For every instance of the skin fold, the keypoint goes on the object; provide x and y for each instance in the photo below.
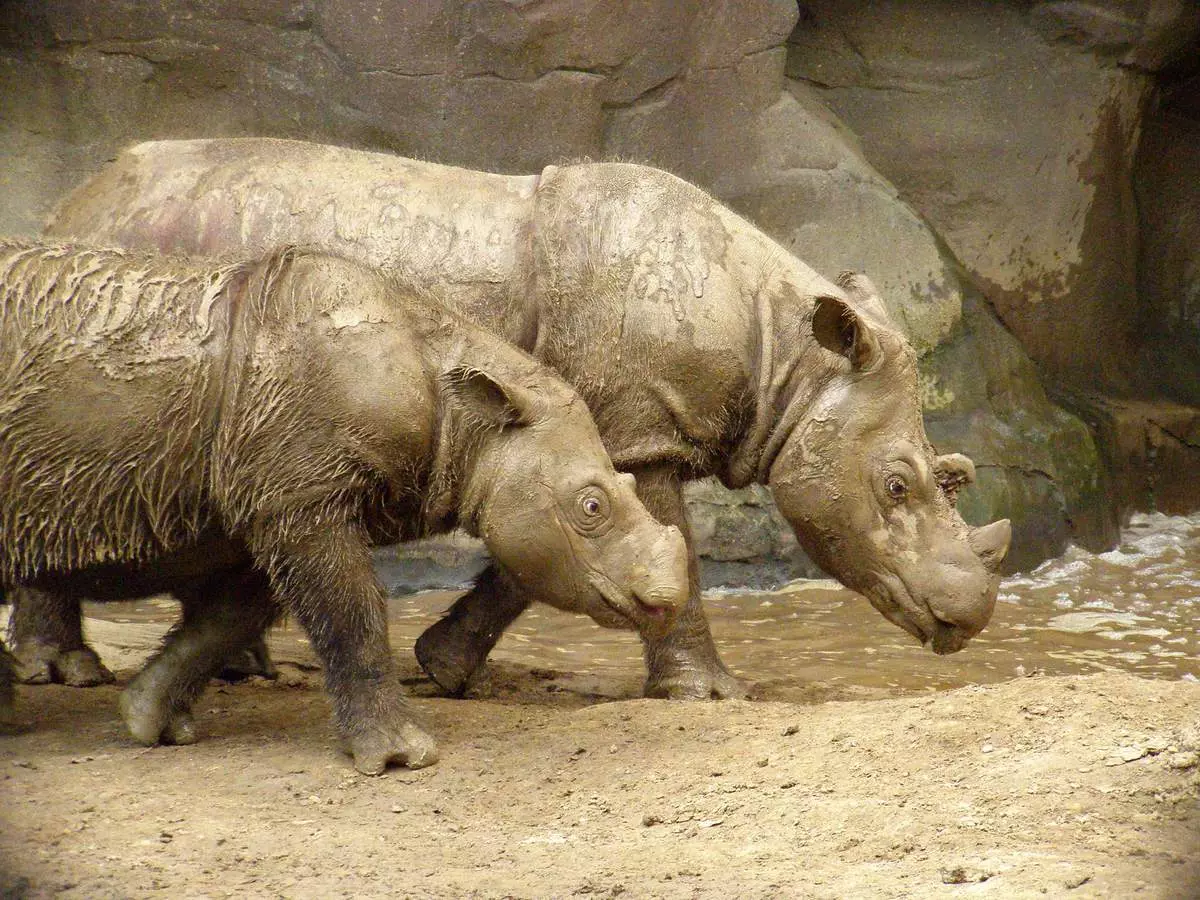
(701, 347)
(242, 434)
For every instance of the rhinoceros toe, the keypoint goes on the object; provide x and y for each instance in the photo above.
(82, 668)
(40, 662)
(406, 745)
(151, 719)
(697, 685)
(450, 655)
(33, 662)
(254, 660)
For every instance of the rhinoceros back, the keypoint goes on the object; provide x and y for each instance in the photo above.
(430, 226)
(108, 367)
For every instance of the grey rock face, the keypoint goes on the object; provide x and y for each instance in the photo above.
(907, 139)
(1168, 191)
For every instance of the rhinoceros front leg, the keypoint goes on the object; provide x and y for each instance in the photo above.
(682, 664)
(224, 616)
(46, 632)
(325, 579)
(453, 648)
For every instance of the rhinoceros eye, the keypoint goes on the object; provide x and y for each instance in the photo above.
(897, 488)
(590, 511)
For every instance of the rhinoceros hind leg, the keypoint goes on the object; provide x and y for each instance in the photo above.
(81, 668)
(47, 640)
(455, 647)
(255, 660)
(682, 664)
(220, 619)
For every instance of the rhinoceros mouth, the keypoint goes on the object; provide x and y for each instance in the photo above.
(896, 602)
(628, 606)
(892, 598)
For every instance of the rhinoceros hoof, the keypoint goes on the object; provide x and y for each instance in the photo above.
(33, 662)
(406, 745)
(82, 668)
(447, 656)
(253, 660)
(697, 685)
(151, 720)
(40, 663)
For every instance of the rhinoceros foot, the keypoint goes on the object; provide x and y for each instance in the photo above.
(450, 655)
(403, 743)
(151, 717)
(456, 646)
(39, 662)
(698, 686)
(689, 671)
(251, 661)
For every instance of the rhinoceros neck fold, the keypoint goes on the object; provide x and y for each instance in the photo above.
(789, 370)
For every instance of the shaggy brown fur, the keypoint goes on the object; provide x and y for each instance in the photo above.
(245, 430)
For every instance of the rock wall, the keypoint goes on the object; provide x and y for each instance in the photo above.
(1167, 186)
(1012, 128)
(975, 160)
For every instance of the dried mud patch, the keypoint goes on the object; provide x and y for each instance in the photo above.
(1059, 786)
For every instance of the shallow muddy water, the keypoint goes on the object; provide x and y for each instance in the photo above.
(1134, 609)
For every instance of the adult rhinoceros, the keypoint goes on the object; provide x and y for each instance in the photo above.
(700, 345)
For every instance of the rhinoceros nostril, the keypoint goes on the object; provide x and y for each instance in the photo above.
(947, 638)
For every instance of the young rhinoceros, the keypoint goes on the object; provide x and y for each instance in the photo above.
(700, 345)
(235, 432)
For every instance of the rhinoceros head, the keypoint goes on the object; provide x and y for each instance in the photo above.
(869, 499)
(545, 499)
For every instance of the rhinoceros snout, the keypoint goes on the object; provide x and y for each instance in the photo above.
(991, 543)
(661, 586)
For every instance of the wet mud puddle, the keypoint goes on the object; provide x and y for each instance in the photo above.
(1134, 609)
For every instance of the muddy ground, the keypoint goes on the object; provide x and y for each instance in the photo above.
(551, 785)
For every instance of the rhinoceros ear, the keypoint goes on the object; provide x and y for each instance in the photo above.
(953, 472)
(840, 329)
(485, 398)
(863, 294)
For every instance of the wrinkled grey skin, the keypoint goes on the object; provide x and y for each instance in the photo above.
(700, 345)
(242, 434)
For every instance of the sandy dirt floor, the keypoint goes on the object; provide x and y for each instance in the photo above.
(552, 786)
